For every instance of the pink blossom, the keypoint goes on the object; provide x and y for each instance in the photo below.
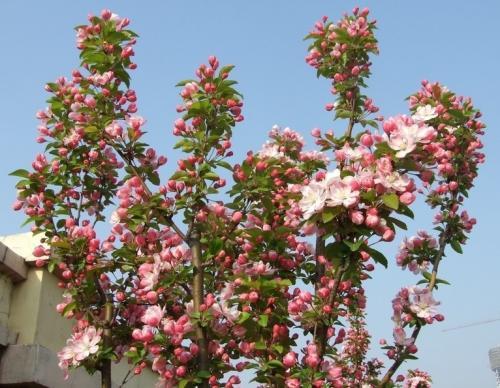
(290, 359)
(135, 122)
(340, 192)
(400, 337)
(81, 345)
(424, 113)
(153, 316)
(114, 130)
(292, 383)
(313, 199)
(404, 135)
(423, 304)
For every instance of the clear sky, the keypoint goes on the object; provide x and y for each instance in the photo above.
(455, 42)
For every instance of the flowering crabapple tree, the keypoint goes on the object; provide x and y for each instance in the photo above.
(268, 280)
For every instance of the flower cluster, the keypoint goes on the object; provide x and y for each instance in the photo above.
(403, 134)
(417, 252)
(367, 189)
(80, 346)
(447, 160)
(340, 51)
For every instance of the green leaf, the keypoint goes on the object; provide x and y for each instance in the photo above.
(224, 164)
(20, 173)
(263, 320)
(211, 176)
(122, 75)
(285, 282)
(354, 246)
(275, 364)
(336, 249)
(127, 268)
(405, 210)
(52, 266)
(243, 317)
(61, 244)
(179, 175)
(369, 196)
(154, 178)
(199, 107)
(23, 183)
(260, 345)
(391, 200)
(70, 306)
(378, 257)
(345, 173)
(215, 245)
(204, 374)
(330, 213)
(94, 57)
(91, 129)
(183, 383)
(442, 281)
(456, 246)
(226, 69)
(397, 222)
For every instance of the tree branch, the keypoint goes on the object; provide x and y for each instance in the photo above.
(198, 294)
(319, 328)
(107, 302)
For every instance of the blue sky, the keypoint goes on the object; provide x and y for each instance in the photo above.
(453, 42)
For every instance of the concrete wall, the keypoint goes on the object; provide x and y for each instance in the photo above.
(5, 296)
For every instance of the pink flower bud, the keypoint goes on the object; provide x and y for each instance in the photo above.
(290, 359)
(137, 334)
(237, 216)
(366, 139)
(253, 297)
(152, 297)
(106, 14)
(181, 371)
(407, 198)
(388, 235)
(372, 219)
(17, 205)
(356, 217)
(180, 124)
(39, 251)
(312, 360)
(90, 101)
(335, 372)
